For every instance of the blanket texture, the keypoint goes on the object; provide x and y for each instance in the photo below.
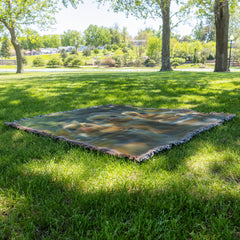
(125, 131)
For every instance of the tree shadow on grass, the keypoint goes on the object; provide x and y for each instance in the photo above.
(52, 206)
(88, 89)
(113, 198)
(43, 205)
(38, 95)
(77, 91)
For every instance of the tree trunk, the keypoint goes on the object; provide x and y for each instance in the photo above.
(17, 48)
(221, 12)
(165, 8)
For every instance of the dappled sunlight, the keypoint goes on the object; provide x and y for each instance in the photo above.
(50, 187)
(77, 174)
(226, 167)
(115, 178)
(69, 174)
(110, 98)
(14, 102)
(5, 206)
(194, 99)
(74, 90)
(200, 160)
(17, 136)
(199, 163)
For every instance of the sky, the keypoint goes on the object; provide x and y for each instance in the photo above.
(88, 13)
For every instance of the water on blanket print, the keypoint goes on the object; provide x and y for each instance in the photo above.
(129, 130)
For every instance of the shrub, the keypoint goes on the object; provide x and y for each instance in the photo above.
(76, 62)
(96, 50)
(125, 50)
(175, 64)
(73, 61)
(68, 60)
(63, 54)
(97, 62)
(86, 52)
(180, 54)
(109, 61)
(236, 55)
(122, 45)
(178, 60)
(153, 48)
(203, 59)
(109, 48)
(138, 62)
(54, 62)
(105, 52)
(150, 62)
(126, 59)
(195, 59)
(130, 63)
(211, 57)
(74, 51)
(131, 46)
(119, 60)
(118, 52)
(24, 60)
(38, 62)
(115, 46)
(195, 56)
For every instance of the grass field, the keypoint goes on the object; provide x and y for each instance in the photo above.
(51, 190)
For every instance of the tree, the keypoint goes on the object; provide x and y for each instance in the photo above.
(63, 54)
(165, 9)
(15, 15)
(97, 36)
(144, 35)
(5, 50)
(124, 35)
(221, 10)
(115, 35)
(186, 38)
(154, 48)
(234, 25)
(51, 41)
(205, 32)
(31, 41)
(72, 38)
(144, 9)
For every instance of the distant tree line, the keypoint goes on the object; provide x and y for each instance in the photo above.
(93, 36)
(196, 48)
(17, 15)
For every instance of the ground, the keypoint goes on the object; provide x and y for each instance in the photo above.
(52, 190)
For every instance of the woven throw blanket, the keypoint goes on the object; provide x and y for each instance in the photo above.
(125, 131)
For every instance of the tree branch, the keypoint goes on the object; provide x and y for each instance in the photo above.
(5, 23)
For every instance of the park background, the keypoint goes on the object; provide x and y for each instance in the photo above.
(93, 36)
(52, 190)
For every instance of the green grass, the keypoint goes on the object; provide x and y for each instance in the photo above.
(52, 190)
(8, 67)
(196, 65)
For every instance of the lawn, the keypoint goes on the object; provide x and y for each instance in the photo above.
(52, 190)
